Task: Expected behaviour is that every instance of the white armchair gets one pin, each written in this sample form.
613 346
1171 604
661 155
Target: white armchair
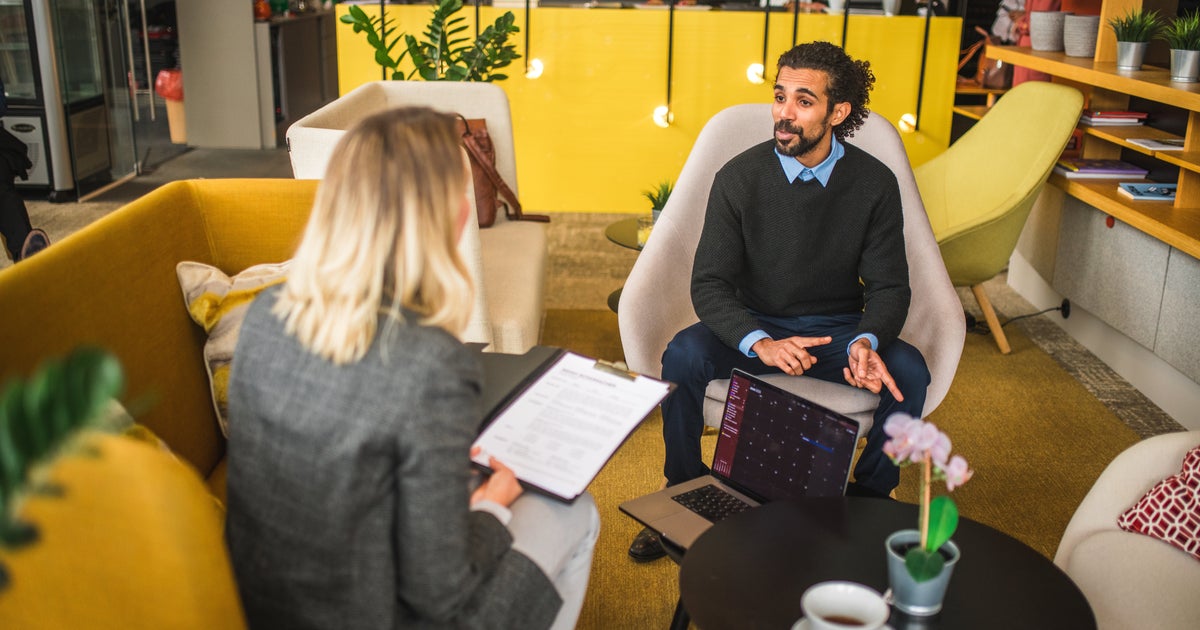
1132 580
507 260
656 300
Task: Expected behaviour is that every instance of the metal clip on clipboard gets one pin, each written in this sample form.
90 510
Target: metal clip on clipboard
616 369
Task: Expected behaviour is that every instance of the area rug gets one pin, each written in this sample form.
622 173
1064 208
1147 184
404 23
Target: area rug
1035 437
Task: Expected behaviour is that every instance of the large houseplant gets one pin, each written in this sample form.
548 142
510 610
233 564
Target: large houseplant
1182 34
1134 30
920 562
442 54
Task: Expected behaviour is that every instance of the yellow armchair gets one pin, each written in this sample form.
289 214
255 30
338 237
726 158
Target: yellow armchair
979 192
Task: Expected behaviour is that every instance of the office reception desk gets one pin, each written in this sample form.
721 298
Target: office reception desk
586 139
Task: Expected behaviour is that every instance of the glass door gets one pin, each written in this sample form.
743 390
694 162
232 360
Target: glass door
16 53
95 92
152 46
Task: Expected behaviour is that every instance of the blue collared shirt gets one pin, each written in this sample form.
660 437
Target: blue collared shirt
792 168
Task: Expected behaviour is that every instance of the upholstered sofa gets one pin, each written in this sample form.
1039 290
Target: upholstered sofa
511 263
1132 580
113 284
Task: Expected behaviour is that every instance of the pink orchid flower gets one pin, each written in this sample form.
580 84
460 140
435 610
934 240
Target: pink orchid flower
957 473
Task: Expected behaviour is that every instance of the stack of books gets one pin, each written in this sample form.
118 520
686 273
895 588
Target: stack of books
1083 168
1147 191
1099 118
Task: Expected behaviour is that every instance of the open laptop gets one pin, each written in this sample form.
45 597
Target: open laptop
773 444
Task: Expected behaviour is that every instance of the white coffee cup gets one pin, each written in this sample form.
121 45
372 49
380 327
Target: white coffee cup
843 606
836 6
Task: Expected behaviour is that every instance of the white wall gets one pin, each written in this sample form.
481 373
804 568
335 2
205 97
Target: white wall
220 80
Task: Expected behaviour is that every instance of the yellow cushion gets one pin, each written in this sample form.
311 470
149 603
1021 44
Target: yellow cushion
218 303
135 541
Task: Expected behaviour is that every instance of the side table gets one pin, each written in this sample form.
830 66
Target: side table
750 570
623 233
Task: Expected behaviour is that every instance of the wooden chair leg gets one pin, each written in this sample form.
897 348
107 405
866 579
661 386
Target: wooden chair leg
990 315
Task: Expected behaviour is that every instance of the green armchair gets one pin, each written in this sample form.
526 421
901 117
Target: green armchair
979 192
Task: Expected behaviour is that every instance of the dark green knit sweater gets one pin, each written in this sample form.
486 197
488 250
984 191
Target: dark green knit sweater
786 249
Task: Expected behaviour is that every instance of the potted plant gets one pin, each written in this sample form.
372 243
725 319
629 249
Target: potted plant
921 561
39 420
658 197
440 56
1134 30
1182 34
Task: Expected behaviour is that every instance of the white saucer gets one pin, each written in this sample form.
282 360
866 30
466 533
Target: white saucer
802 624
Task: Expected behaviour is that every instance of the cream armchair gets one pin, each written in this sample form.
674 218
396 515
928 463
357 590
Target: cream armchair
656 300
507 260
1132 580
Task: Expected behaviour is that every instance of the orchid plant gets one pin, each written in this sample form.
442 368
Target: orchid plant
915 441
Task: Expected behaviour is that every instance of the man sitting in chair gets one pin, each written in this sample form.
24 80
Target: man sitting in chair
800 269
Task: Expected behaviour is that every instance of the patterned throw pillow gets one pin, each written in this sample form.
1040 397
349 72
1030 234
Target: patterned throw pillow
1170 511
218 303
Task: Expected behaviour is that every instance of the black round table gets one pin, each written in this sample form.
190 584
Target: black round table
750 570
623 233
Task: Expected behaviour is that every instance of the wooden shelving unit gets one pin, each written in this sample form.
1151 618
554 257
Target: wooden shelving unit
1177 225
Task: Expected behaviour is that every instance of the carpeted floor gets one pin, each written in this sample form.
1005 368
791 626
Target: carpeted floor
1035 436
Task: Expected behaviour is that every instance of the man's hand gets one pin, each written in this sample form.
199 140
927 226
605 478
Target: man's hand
868 371
790 355
501 487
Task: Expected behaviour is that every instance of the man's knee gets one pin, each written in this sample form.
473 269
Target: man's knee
907 365
687 355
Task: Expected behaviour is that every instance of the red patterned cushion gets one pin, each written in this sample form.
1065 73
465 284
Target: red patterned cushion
1170 511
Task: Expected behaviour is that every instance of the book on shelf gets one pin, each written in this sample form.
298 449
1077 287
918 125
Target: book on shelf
1147 191
1102 113
1073 168
1108 122
1158 144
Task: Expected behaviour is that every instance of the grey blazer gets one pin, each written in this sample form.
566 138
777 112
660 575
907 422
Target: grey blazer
348 489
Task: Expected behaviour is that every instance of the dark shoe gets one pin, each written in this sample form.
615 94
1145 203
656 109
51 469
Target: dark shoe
853 489
646 546
34 243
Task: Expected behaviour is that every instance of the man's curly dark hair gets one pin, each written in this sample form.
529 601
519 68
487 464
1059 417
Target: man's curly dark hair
850 80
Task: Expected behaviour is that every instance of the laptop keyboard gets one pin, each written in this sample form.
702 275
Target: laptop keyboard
711 502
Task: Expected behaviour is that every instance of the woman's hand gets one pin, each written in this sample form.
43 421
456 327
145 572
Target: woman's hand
501 487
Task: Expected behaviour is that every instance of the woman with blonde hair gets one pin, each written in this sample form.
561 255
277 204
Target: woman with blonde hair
352 409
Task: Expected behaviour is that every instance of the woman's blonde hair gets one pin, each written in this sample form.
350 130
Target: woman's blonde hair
382 236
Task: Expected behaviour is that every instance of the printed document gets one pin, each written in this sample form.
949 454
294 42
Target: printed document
559 432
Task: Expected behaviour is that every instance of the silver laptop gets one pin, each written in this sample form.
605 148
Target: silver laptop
773 444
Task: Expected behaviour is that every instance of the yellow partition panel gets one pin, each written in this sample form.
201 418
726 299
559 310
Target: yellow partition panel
585 138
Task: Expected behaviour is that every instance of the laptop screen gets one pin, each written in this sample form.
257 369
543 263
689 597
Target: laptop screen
774 444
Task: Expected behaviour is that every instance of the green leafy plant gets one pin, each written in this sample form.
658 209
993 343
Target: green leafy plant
914 441
1183 32
442 54
658 195
38 417
1136 25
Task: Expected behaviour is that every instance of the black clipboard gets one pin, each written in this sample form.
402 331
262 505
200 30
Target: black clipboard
507 377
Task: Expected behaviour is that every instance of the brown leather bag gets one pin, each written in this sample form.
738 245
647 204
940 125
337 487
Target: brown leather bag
490 189
989 73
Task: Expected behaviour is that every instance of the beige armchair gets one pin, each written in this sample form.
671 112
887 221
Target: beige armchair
507 260
1132 580
656 301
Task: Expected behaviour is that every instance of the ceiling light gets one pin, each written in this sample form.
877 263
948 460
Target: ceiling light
536 68
754 73
663 116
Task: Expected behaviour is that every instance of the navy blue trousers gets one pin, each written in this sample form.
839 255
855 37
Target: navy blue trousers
696 356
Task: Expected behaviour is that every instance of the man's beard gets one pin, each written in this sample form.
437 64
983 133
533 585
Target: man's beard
802 144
